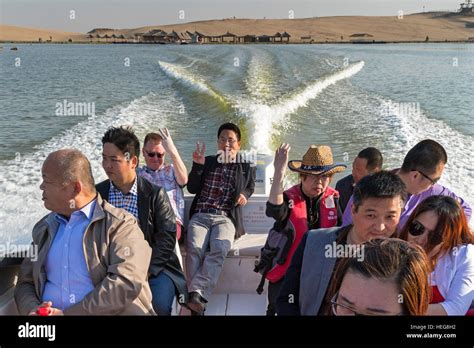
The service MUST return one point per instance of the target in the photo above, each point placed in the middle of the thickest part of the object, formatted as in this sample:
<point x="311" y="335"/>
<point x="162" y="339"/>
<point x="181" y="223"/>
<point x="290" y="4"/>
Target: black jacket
<point x="158" y="223"/>
<point x="345" y="187"/>
<point x="244" y="183"/>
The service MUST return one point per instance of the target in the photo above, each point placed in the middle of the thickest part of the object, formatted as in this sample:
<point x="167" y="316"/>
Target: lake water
<point x="347" y="96"/>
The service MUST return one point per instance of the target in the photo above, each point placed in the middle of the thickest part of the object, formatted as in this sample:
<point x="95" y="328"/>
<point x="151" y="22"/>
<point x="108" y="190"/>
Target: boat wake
<point x="190" y="80"/>
<point x="261" y="119"/>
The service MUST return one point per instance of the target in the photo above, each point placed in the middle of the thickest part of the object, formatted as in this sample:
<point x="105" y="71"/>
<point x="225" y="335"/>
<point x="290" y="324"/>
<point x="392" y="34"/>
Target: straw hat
<point x="317" y="160"/>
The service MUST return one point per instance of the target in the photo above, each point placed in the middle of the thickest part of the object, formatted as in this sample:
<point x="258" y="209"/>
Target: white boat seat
<point x="249" y="245"/>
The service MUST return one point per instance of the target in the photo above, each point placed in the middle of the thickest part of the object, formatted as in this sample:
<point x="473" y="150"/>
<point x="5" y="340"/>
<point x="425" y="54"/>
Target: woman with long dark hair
<point x="440" y="227"/>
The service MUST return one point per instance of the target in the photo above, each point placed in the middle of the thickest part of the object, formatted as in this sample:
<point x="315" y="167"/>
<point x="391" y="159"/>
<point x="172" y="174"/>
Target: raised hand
<point x="280" y="163"/>
<point x="167" y="142"/>
<point x="281" y="158"/>
<point x="198" y="154"/>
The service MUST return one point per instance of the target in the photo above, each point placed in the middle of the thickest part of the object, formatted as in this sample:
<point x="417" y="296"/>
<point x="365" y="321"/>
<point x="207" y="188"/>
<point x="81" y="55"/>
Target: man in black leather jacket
<point x="151" y="207"/>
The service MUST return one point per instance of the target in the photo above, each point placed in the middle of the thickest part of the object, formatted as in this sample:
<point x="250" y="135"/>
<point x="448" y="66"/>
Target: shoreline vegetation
<point x="430" y="27"/>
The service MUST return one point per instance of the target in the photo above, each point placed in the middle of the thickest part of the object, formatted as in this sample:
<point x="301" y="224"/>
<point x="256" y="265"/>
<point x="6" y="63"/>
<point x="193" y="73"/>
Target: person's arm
<point x="442" y="190"/>
<point x="248" y="190"/>
<point x="460" y="293"/>
<point x="347" y="216"/>
<point x="436" y="309"/>
<point x="278" y="212"/>
<point x="180" y="170"/>
<point x="465" y="206"/>
<point x="280" y="163"/>
<point x="343" y="186"/>
<point x="164" y="234"/>
<point x="25" y="295"/>
<point x="287" y="302"/>
<point x="339" y="211"/>
<point x="195" y="176"/>
<point x="127" y="271"/>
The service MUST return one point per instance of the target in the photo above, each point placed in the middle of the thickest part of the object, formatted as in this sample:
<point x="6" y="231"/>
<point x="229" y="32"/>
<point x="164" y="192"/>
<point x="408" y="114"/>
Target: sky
<point x="84" y="15"/>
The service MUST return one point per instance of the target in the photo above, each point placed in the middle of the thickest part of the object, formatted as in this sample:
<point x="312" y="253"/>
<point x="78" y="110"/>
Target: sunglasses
<point x="416" y="228"/>
<point x="153" y="154"/>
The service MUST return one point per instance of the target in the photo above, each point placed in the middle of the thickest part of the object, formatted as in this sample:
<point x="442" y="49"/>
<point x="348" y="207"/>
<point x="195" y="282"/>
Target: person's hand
<point x="46" y="309"/>
<point x="167" y="142"/>
<point x="242" y="200"/>
<point x="198" y="154"/>
<point x="281" y="158"/>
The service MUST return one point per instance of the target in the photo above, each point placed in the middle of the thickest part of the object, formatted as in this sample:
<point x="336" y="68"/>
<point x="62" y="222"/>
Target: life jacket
<point x="278" y="251"/>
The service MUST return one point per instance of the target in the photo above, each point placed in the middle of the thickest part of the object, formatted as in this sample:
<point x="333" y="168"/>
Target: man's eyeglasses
<point x="433" y="181"/>
<point x="153" y="154"/>
<point x="342" y="309"/>
<point x="416" y="228"/>
<point x="224" y="140"/>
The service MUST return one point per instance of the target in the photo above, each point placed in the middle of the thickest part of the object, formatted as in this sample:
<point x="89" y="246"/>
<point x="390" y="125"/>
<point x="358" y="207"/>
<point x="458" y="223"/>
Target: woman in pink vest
<point x="311" y="204"/>
<point x="439" y="226"/>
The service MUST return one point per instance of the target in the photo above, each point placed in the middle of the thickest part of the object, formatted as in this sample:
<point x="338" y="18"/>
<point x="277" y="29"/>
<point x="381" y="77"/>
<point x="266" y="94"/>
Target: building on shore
<point x="466" y="8"/>
<point x="159" y="36"/>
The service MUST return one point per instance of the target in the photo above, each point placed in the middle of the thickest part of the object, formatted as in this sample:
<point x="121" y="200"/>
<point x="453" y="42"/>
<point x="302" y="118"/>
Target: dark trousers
<point x="273" y="291"/>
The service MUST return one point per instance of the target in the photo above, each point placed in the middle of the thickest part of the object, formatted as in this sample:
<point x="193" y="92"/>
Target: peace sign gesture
<point x="198" y="154"/>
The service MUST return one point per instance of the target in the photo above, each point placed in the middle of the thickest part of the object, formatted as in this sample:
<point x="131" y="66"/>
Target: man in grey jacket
<point x="92" y="257"/>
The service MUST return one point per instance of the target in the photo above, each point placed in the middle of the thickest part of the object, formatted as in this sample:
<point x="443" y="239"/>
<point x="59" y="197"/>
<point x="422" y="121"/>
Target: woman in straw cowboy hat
<point x="311" y="204"/>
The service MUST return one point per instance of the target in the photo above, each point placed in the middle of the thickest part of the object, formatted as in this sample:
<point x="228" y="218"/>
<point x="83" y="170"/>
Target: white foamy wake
<point x="415" y="126"/>
<point x="20" y="197"/>
<point x="259" y="77"/>
<point x="261" y="119"/>
<point x="189" y="79"/>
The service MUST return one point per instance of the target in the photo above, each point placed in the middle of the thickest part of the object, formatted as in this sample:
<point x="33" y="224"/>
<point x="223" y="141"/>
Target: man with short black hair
<point x="422" y="168"/>
<point x="151" y="207"/>
<point x="368" y="161"/>
<point x="222" y="187"/>
<point x="379" y="199"/>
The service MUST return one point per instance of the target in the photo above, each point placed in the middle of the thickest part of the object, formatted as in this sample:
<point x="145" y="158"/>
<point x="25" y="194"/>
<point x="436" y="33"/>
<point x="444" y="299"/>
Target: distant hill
<point x="416" y="27"/>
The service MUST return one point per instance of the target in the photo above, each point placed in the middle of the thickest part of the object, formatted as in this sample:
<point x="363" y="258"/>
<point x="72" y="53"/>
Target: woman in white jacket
<point x="439" y="225"/>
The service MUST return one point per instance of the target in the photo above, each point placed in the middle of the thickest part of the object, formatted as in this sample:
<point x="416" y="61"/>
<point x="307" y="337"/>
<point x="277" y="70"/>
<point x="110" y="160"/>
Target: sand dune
<point x="414" y="27"/>
<point x="19" y="34"/>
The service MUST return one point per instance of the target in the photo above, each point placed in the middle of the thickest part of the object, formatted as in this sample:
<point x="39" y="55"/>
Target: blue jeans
<point x="163" y="292"/>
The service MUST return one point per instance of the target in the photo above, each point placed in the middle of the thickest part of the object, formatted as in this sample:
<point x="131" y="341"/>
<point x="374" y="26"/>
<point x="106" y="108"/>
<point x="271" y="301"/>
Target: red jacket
<point x="298" y="222"/>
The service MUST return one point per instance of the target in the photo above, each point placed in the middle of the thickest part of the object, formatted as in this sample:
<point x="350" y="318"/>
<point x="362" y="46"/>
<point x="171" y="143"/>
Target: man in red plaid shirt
<point x="222" y="185"/>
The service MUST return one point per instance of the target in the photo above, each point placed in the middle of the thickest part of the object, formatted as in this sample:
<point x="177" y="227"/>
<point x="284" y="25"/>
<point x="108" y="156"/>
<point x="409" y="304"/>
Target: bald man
<point x="92" y="257"/>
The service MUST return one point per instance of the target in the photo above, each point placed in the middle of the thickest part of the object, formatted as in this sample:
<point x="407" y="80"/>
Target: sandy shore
<point x="22" y="34"/>
<point x="412" y="28"/>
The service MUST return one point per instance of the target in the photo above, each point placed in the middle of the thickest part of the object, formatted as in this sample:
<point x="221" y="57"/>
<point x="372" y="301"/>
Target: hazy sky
<point x="89" y="14"/>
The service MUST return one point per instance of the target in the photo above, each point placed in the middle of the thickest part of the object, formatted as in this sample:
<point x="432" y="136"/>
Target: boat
<point x="235" y="293"/>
